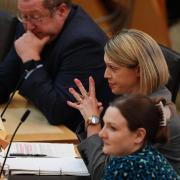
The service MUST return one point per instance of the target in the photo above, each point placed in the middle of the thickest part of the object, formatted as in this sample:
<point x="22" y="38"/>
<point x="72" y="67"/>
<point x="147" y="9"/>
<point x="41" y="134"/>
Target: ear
<point x="137" y="71"/>
<point x="62" y="9"/>
<point x="140" y="135"/>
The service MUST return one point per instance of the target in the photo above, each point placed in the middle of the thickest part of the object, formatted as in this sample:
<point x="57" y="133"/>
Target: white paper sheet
<point x="48" y="149"/>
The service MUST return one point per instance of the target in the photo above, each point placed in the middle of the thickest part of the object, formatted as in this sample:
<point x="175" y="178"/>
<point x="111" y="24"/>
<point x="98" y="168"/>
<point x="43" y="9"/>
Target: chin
<point x="105" y="151"/>
<point x="115" y="92"/>
<point x="118" y="91"/>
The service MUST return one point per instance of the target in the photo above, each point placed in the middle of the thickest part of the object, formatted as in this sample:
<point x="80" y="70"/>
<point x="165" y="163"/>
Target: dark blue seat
<point x="173" y="61"/>
<point x="7" y="31"/>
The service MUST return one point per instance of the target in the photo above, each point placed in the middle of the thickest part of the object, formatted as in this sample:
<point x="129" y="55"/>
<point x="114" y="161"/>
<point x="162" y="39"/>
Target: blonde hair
<point x="133" y="48"/>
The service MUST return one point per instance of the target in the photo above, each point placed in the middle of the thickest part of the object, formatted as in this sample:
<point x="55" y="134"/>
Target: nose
<point x="29" y="25"/>
<point x="102" y="133"/>
<point x="106" y="73"/>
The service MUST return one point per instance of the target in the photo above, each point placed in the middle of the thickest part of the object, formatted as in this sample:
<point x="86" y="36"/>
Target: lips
<point x="105" y="142"/>
<point x="39" y="35"/>
<point x="111" y="84"/>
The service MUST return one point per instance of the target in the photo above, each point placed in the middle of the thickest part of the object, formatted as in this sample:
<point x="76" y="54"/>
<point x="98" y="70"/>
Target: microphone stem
<point x="5" y="158"/>
<point x="12" y="95"/>
<point x="10" y="99"/>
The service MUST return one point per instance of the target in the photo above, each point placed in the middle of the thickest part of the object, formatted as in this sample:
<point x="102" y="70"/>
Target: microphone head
<point x="3" y="119"/>
<point x="25" y="115"/>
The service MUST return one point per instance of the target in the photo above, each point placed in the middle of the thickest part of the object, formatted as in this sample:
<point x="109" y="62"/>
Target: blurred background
<point x="158" y="18"/>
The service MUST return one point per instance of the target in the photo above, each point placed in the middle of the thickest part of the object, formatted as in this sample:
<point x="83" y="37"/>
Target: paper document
<point x="47" y="166"/>
<point x="41" y="150"/>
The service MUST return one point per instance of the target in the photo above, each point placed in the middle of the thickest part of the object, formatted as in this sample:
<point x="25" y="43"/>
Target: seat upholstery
<point x="7" y="31"/>
<point x="173" y="62"/>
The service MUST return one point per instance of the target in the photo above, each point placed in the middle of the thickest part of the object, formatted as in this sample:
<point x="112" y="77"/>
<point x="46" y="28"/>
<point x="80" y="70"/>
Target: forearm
<point x="49" y="96"/>
<point x="91" y="151"/>
<point x="93" y="129"/>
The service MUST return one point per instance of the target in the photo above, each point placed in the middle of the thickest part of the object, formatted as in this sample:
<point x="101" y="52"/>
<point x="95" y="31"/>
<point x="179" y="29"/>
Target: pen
<point x="27" y="155"/>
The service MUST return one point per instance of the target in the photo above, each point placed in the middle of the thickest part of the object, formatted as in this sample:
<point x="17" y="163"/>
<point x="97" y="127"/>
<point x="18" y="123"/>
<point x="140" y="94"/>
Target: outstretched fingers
<point x="76" y="95"/>
<point x="92" y="90"/>
<point x="73" y="105"/>
<point x="81" y="87"/>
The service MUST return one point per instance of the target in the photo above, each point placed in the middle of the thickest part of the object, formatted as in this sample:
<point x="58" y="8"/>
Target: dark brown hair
<point x="142" y="112"/>
<point x="51" y="4"/>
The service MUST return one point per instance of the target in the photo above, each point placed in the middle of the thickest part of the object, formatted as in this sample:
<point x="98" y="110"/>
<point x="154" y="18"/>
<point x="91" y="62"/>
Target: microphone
<point x="23" y="118"/>
<point x="11" y="97"/>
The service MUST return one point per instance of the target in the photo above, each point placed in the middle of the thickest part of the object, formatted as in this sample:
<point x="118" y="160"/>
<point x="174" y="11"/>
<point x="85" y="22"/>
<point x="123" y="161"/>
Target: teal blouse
<point x="146" y="163"/>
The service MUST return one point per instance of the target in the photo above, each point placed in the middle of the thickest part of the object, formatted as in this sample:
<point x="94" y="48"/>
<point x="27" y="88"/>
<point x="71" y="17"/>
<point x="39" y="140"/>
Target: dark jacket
<point x="77" y="52"/>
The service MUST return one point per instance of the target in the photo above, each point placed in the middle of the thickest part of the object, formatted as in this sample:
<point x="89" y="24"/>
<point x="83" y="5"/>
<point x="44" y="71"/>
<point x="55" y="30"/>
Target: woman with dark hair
<point x="131" y="125"/>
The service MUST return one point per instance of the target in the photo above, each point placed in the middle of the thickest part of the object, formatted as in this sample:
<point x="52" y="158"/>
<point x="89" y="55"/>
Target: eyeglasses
<point x="34" y="18"/>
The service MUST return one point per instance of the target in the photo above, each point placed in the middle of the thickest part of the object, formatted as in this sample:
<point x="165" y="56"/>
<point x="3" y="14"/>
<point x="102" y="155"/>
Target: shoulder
<point x="92" y="141"/>
<point x="162" y="92"/>
<point x="126" y="167"/>
<point x="147" y="163"/>
<point x="19" y="30"/>
<point x="80" y="26"/>
<point x="79" y="17"/>
<point x="136" y="159"/>
<point x="139" y="165"/>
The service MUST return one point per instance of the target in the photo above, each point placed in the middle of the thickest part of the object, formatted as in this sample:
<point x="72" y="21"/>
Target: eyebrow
<point x="110" y="123"/>
<point x="34" y="11"/>
<point x="112" y="65"/>
<point x="111" y="62"/>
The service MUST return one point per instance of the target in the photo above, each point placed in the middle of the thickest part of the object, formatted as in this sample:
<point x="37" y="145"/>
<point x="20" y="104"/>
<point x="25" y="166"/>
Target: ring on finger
<point x="79" y="100"/>
<point x="81" y="97"/>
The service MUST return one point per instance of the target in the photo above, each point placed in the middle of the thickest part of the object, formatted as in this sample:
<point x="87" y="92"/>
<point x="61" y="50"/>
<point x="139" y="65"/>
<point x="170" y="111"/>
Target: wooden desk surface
<point x="36" y="127"/>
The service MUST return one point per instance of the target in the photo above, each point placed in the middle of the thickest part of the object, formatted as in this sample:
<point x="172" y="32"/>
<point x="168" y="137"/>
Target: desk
<point x="36" y="128"/>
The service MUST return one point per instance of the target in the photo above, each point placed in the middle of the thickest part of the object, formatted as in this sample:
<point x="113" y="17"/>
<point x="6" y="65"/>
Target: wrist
<point x="92" y="120"/>
<point x="31" y="64"/>
<point x="27" y="58"/>
<point x="93" y="129"/>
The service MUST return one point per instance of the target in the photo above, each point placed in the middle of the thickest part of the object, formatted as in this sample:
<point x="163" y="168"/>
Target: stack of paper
<point x="47" y="166"/>
<point x="44" y="159"/>
<point x="47" y="149"/>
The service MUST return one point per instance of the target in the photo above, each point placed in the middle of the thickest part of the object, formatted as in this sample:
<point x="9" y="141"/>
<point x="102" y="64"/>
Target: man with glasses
<point x="55" y="43"/>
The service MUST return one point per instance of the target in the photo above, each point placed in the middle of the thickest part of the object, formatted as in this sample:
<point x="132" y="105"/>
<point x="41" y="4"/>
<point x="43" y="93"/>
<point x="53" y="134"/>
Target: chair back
<point x="173" y="62"/>
<point x="7" y="31"/>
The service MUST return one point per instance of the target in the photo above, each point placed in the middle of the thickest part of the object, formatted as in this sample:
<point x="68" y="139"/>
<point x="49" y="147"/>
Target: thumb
<point x="101" y="109"/>
<point x="99" y="104"/>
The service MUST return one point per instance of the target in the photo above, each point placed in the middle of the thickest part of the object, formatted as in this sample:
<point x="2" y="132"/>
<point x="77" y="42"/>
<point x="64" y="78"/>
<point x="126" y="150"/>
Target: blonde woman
<point x="134" y="65"/>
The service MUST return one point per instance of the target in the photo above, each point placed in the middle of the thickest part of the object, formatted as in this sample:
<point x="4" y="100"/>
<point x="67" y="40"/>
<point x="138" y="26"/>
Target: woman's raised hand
<point x="86" y="103"/>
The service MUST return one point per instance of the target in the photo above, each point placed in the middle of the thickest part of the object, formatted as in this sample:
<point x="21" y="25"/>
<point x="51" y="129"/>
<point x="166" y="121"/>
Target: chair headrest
<point x="173" y="62"/>
<point x="7" y="31"/>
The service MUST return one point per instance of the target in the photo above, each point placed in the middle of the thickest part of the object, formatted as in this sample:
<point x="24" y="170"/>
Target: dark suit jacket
<point x="77" y="52"/>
